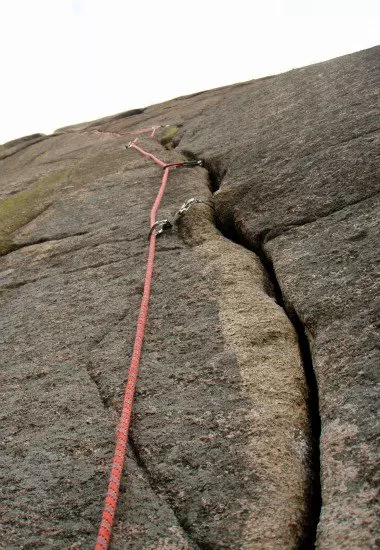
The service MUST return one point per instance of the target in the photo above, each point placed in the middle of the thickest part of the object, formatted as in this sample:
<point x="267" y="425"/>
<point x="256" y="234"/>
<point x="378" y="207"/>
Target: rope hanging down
<point x="109" y="510"/>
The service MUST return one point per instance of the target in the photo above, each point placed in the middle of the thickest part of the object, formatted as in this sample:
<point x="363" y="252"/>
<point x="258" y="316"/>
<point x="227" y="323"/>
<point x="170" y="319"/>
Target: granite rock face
<point x="301" y="183"/>
<point x="261" y="331"/>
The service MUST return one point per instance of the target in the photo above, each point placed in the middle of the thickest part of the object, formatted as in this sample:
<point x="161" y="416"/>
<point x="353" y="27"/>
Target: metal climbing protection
<point x="109" y="509"/>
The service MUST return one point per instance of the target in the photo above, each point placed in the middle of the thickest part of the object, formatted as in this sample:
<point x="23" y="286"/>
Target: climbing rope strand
<point x="159" y="197"/>
<point x="146" y="154"/>
<point x="109" y="510"/>
<point x="151" y="129"/>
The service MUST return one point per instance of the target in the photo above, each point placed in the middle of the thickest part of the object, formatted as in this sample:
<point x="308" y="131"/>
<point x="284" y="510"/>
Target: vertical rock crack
<point x="153" y="485"/>
<point x="216" y="174"/>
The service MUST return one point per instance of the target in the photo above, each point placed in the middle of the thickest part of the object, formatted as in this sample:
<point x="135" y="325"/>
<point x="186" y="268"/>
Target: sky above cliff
<point x="67" y="61"/>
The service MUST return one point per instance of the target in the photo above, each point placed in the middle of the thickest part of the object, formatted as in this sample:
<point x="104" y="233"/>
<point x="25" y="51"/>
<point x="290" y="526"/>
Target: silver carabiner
<point x="162" y="224"/>
<point x="186" y="205"/>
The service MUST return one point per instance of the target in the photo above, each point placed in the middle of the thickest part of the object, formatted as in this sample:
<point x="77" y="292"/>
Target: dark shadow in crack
<point x="216" y="174"/>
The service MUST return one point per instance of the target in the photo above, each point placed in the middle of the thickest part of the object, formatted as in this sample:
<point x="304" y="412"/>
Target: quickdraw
<point x="156" y="228"/>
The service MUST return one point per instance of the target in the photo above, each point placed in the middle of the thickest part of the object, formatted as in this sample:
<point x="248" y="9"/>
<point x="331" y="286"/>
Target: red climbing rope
<point x="151" y="129"/>
<point x="154" y="128"/>
<point x="109" y="509"/>
<point x="146" y="154"/>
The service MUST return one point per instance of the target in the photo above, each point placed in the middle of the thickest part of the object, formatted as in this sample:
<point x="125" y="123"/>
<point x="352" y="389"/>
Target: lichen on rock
<point x="21" y="208"/>
<point x="261" y="328"/>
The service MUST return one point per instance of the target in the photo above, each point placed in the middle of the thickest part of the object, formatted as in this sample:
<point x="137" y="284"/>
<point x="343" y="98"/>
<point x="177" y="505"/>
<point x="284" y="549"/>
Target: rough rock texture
<point x="224" y="443"/>
<point x="301" y="183"/>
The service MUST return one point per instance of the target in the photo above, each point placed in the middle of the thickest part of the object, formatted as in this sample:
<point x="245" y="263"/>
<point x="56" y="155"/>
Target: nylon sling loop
<point x="109" y="510"/>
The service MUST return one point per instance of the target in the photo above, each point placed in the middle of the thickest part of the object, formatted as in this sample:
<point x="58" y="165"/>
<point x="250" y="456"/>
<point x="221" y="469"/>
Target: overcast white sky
<point x="67" y="61"/>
